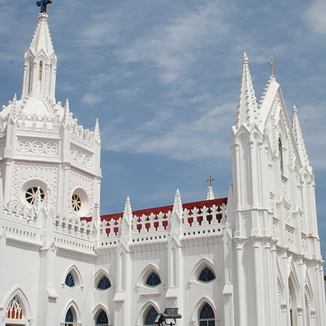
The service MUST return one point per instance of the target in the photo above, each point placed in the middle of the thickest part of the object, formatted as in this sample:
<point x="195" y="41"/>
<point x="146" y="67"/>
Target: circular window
<point x="79" y="202"/>
<point x="76" y="203"/>
<point x="30" y="194"/>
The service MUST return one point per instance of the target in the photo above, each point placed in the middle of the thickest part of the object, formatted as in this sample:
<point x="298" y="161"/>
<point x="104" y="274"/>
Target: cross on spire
<point x="209" y="180"/>
<point x="43" y="4"/>
<point x="271" y="63"/>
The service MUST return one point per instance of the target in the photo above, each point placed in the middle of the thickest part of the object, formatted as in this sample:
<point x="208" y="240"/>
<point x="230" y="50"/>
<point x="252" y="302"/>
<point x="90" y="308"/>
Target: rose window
<point x="76" y="203"/>
<point x="30" y="194"/>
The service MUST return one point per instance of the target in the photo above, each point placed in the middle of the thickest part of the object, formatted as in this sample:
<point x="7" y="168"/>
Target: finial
<point x="43" y="4"/>
<point x="209" y="180"/>
<point x="210" y="193"/>
<point x="244" y="58"/>
<point x="294" y="110"/>
<point x="271" y="63"/>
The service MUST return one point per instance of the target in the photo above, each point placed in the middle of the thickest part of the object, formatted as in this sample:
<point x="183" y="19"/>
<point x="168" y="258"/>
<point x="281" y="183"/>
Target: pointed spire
<point x="247" y="105"/>
<point x="42" y="38"/>
<point x="298" y="137"/>
<point x="14" y="109"/>
<point x="97" y="135"/>
<point x="176" y="217"/>
<point x="177" y="205"/>
<point x="40" y="63"/>
<point x="127" y="213"/>
<point x="126" y="219"/>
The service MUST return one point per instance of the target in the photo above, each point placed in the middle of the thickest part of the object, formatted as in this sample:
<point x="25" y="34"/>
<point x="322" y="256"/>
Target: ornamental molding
<point x="81" y="156"/>
<point x="23" y="172"/>
<point x="289" y="232"/>
<point x="49" y="148"/>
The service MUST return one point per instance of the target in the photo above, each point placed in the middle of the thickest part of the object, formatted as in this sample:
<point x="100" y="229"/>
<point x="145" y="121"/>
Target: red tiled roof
<point x="164" y="209"/>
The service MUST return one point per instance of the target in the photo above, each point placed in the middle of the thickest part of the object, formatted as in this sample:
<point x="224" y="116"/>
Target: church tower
<point x="45" y="155"/>
<point x="279" y="268"/>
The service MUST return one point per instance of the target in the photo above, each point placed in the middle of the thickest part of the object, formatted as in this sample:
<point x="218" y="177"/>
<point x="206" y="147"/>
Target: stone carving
<point x="23" y="172"/>
<point x="275" y="228"/>
<point x="80" y="156"/>
<point x="289" y="236"/>
<point x="37" y="147"/>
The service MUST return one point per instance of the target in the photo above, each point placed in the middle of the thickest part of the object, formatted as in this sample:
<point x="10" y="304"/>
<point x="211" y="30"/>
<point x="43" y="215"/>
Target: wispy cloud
<point x="92" y="99"/>
<point x="316" y="16"/>
<point x="199" y="138"/>
<point x="173" y="47"/>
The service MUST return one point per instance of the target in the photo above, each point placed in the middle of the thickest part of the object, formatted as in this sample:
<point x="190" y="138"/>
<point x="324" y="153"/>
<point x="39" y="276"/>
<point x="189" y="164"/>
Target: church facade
<point x="250" y="259"/>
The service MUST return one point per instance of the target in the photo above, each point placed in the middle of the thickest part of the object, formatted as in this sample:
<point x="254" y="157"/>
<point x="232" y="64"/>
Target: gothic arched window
<point x="206" y="275"/>
<point x="69" y="320"/>
<point x="206" y="316"/>
<point x="151" y="316"/>
<point x="70" y="281"/>
<point x="40" y="71"/>
<point x="102" y="319"/>
<point x="104" y="283"/>
<point x="153" y="279"/>
<point x="280" y="149"/>
<point x="15" y="310"/>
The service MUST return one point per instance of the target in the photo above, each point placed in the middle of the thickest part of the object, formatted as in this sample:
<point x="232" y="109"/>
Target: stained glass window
<point x="151" y="316"/>
<point x="104" y="283"/>
<point x="102" y="318"/>
<point x="207" y="317"/>
<point x="69" y="321"/>
<point x="206" y="275"/>
<point x="70" y="280"/>
<point x="153" y="279"/>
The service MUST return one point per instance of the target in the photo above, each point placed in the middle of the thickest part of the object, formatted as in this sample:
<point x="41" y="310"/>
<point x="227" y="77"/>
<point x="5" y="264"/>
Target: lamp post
<point x="168" y="317"/>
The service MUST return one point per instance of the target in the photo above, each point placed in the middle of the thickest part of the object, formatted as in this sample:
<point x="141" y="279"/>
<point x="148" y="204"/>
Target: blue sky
<point x="163" y="77"/>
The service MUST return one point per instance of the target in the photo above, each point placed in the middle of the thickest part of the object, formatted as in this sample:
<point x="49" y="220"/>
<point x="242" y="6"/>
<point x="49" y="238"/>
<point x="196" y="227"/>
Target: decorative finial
<point x="209" y="180"/>
<point x="271" y="63"/>
<point x="210" y="193"/>
<point x="245" y="58"/>
<point x="43" y="4"/>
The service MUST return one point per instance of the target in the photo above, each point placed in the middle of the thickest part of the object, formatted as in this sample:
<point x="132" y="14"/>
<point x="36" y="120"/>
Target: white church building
<point x="252" y="259"/>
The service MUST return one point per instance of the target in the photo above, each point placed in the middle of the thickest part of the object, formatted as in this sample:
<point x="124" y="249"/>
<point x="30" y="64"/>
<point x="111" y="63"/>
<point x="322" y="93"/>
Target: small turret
<point x="40" y="63"/>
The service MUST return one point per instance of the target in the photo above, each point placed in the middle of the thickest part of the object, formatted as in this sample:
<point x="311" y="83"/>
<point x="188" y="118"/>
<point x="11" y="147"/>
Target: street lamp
<point x="168" y="317"/>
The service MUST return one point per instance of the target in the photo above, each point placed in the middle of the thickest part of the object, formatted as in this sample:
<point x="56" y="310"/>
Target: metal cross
<point x="271" y="63"/>
<point x="43" y="4"/>
<point x="209" y="180"/>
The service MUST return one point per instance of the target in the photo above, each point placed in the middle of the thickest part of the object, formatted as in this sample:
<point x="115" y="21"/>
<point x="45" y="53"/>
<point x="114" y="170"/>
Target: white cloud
<point x="91" y="99"/>
<point x="175" y="46"/>
<point x="205" y="137"/>
<point x="316" y="16"/>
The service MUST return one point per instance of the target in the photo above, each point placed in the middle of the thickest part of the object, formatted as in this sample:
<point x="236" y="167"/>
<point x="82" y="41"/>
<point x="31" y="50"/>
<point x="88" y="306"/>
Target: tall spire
<point x="40" y="63"/>
<point x="298" y="137"/>
<point x="247" y="105"/>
